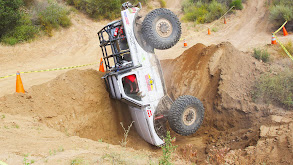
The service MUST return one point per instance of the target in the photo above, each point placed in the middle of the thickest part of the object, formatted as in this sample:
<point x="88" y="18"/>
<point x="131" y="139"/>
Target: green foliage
<point x="20" y="25"/>
<point x="237" y="4"/>
<point x="98" y="9"/>
<point x="168" y="149"/>
<point x="289" y="47"/>
<point x="24" y="31"/>
<point x="203" y="12"/>
<point x="53" y="16"/>
<point x="9" y="15"/>
<point x="77" y="161"/>
<point x="280" y="13"/>
<point x="101" y="9"/>
<point x="196" y="14"/>
<point x="26" y="161"/>
<point x="28" y="2"/>
<point x="277" y="89"/>
<point x="163" y="3"/>
<point x="261" y="55"/>
<point x="216" y="10"/>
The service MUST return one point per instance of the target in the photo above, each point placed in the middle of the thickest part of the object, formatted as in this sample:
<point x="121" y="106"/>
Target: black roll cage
<point x="111" y="41"/>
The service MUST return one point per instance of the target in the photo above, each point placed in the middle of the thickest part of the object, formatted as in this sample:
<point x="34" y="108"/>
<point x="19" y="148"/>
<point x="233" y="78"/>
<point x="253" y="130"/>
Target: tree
<point x="9" y="14"/>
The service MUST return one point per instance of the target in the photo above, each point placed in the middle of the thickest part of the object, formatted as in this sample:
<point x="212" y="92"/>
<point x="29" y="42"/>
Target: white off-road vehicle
<point x="134" y="75"/>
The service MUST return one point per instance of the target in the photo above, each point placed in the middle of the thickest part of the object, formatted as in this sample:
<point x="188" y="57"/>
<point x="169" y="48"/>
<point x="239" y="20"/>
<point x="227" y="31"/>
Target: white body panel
<point x="149" y="82"/>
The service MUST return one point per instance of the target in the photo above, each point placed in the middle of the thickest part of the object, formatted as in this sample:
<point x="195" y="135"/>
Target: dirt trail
<point x="247" y="29"/>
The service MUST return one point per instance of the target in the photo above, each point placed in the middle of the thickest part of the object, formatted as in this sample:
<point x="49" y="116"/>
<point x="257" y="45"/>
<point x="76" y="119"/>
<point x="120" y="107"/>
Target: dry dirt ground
<point x="67" y="116"/>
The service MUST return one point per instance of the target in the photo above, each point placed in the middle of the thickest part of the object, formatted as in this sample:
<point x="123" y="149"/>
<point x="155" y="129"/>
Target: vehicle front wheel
<point x="161" y="28"/>
<point x="186" y="115"/>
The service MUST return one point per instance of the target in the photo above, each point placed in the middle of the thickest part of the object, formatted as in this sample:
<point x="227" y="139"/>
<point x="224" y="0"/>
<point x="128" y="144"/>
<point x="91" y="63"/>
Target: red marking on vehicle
<point x="116" y="32"/>
<point x="159" y="117"/>
<point x="126" y="18"/>
<point x="121" y="30"/>
<point x="149" y="113"/>
<point x="133" y="10"/>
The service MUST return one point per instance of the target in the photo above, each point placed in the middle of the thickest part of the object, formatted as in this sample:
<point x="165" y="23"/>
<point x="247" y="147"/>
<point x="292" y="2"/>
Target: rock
<point x="264" y="130"/>
<point x="280" y="119"/>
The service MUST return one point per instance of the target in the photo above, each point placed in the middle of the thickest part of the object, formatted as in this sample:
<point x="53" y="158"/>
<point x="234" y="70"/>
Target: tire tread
<point x="176" y="111"/>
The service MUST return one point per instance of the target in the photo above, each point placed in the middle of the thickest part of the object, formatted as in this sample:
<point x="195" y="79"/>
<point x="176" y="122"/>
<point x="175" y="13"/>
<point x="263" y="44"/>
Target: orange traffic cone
<point x="19" y="85"/>
<point x="274" y="42"/>
<point x="209" y="31"/>
<point x="185" y="44"/>
<point x="225" y="22"/>
<point x="101" y="69"/>
<point x="285" y="31"/>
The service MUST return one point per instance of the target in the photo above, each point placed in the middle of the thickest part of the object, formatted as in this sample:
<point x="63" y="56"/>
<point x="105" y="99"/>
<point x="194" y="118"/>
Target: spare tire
<point x="186" y="115"/>
<point x="161" y="28"/>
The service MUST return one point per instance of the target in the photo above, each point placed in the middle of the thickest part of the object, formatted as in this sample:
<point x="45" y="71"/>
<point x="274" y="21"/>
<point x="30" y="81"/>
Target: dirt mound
<point x="222" y="77"/>
<point x="76" y="103"/>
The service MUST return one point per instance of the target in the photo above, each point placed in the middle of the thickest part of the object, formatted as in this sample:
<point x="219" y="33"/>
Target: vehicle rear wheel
<point x="186" y="115"/>
<point x="161" y="28"/>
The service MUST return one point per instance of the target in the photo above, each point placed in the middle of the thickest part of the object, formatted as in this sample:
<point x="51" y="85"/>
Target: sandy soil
<point x="65" y="114"/>
<point x="25" y="140"/>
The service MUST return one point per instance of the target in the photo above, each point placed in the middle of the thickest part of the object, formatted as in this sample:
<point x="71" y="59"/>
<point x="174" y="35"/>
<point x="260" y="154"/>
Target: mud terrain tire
<point x="161" y="29"/>
<point x="186" y="115"/>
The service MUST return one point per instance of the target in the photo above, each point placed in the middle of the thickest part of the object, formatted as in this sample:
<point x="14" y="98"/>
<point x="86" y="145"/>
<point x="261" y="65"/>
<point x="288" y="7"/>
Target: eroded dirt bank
<point x="223" y="77"/>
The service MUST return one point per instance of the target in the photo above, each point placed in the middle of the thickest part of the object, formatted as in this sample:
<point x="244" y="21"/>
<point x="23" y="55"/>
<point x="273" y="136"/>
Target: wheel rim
<point x="164" y="27"/>
<point x="189" y="116"/>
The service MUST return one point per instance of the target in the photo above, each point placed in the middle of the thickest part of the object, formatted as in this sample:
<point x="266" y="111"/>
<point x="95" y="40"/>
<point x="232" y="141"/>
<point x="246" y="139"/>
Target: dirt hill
<point x="222" y="77"/>
<point x="77" y="104"/>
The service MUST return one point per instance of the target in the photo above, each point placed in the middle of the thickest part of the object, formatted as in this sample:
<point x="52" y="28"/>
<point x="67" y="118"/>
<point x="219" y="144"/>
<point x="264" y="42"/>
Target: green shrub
<point x="203" y="12"/>
<point x="163" y="3"/>
<point x="257" y="54"/>
<point x="237" y="3"/>
<point x="9" y="15"/>
<point x="98" y="9"/>
<point x="24" y="31"/>
<point x="280" y="13"/>
<point x="168" y="149"/>
<point x="277" y="89"/>
<point x="28" y="2"/>
<point x="53" y="16"/>
<point x="261" y="55"/>
<point x="216" y="10"/>
<point x="196" y="14"/>
<point x="20" y="34"/>
<point x="23" y="24"/>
